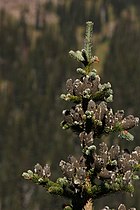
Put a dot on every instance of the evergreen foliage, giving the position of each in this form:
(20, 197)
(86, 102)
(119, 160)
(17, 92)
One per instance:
(119, 64)
(100, 170)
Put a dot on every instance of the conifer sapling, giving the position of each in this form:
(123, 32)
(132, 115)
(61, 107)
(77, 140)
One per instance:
(99, 171)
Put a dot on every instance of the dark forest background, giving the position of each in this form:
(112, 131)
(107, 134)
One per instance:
(34, 65)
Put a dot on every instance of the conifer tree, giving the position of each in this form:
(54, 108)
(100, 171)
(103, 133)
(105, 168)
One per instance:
(100, 170)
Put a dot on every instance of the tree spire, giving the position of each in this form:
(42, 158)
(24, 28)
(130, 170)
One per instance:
(88, 39)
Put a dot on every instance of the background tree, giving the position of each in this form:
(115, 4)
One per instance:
(30, 102)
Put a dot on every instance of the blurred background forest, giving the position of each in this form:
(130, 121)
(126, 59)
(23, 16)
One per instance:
(35, 37)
